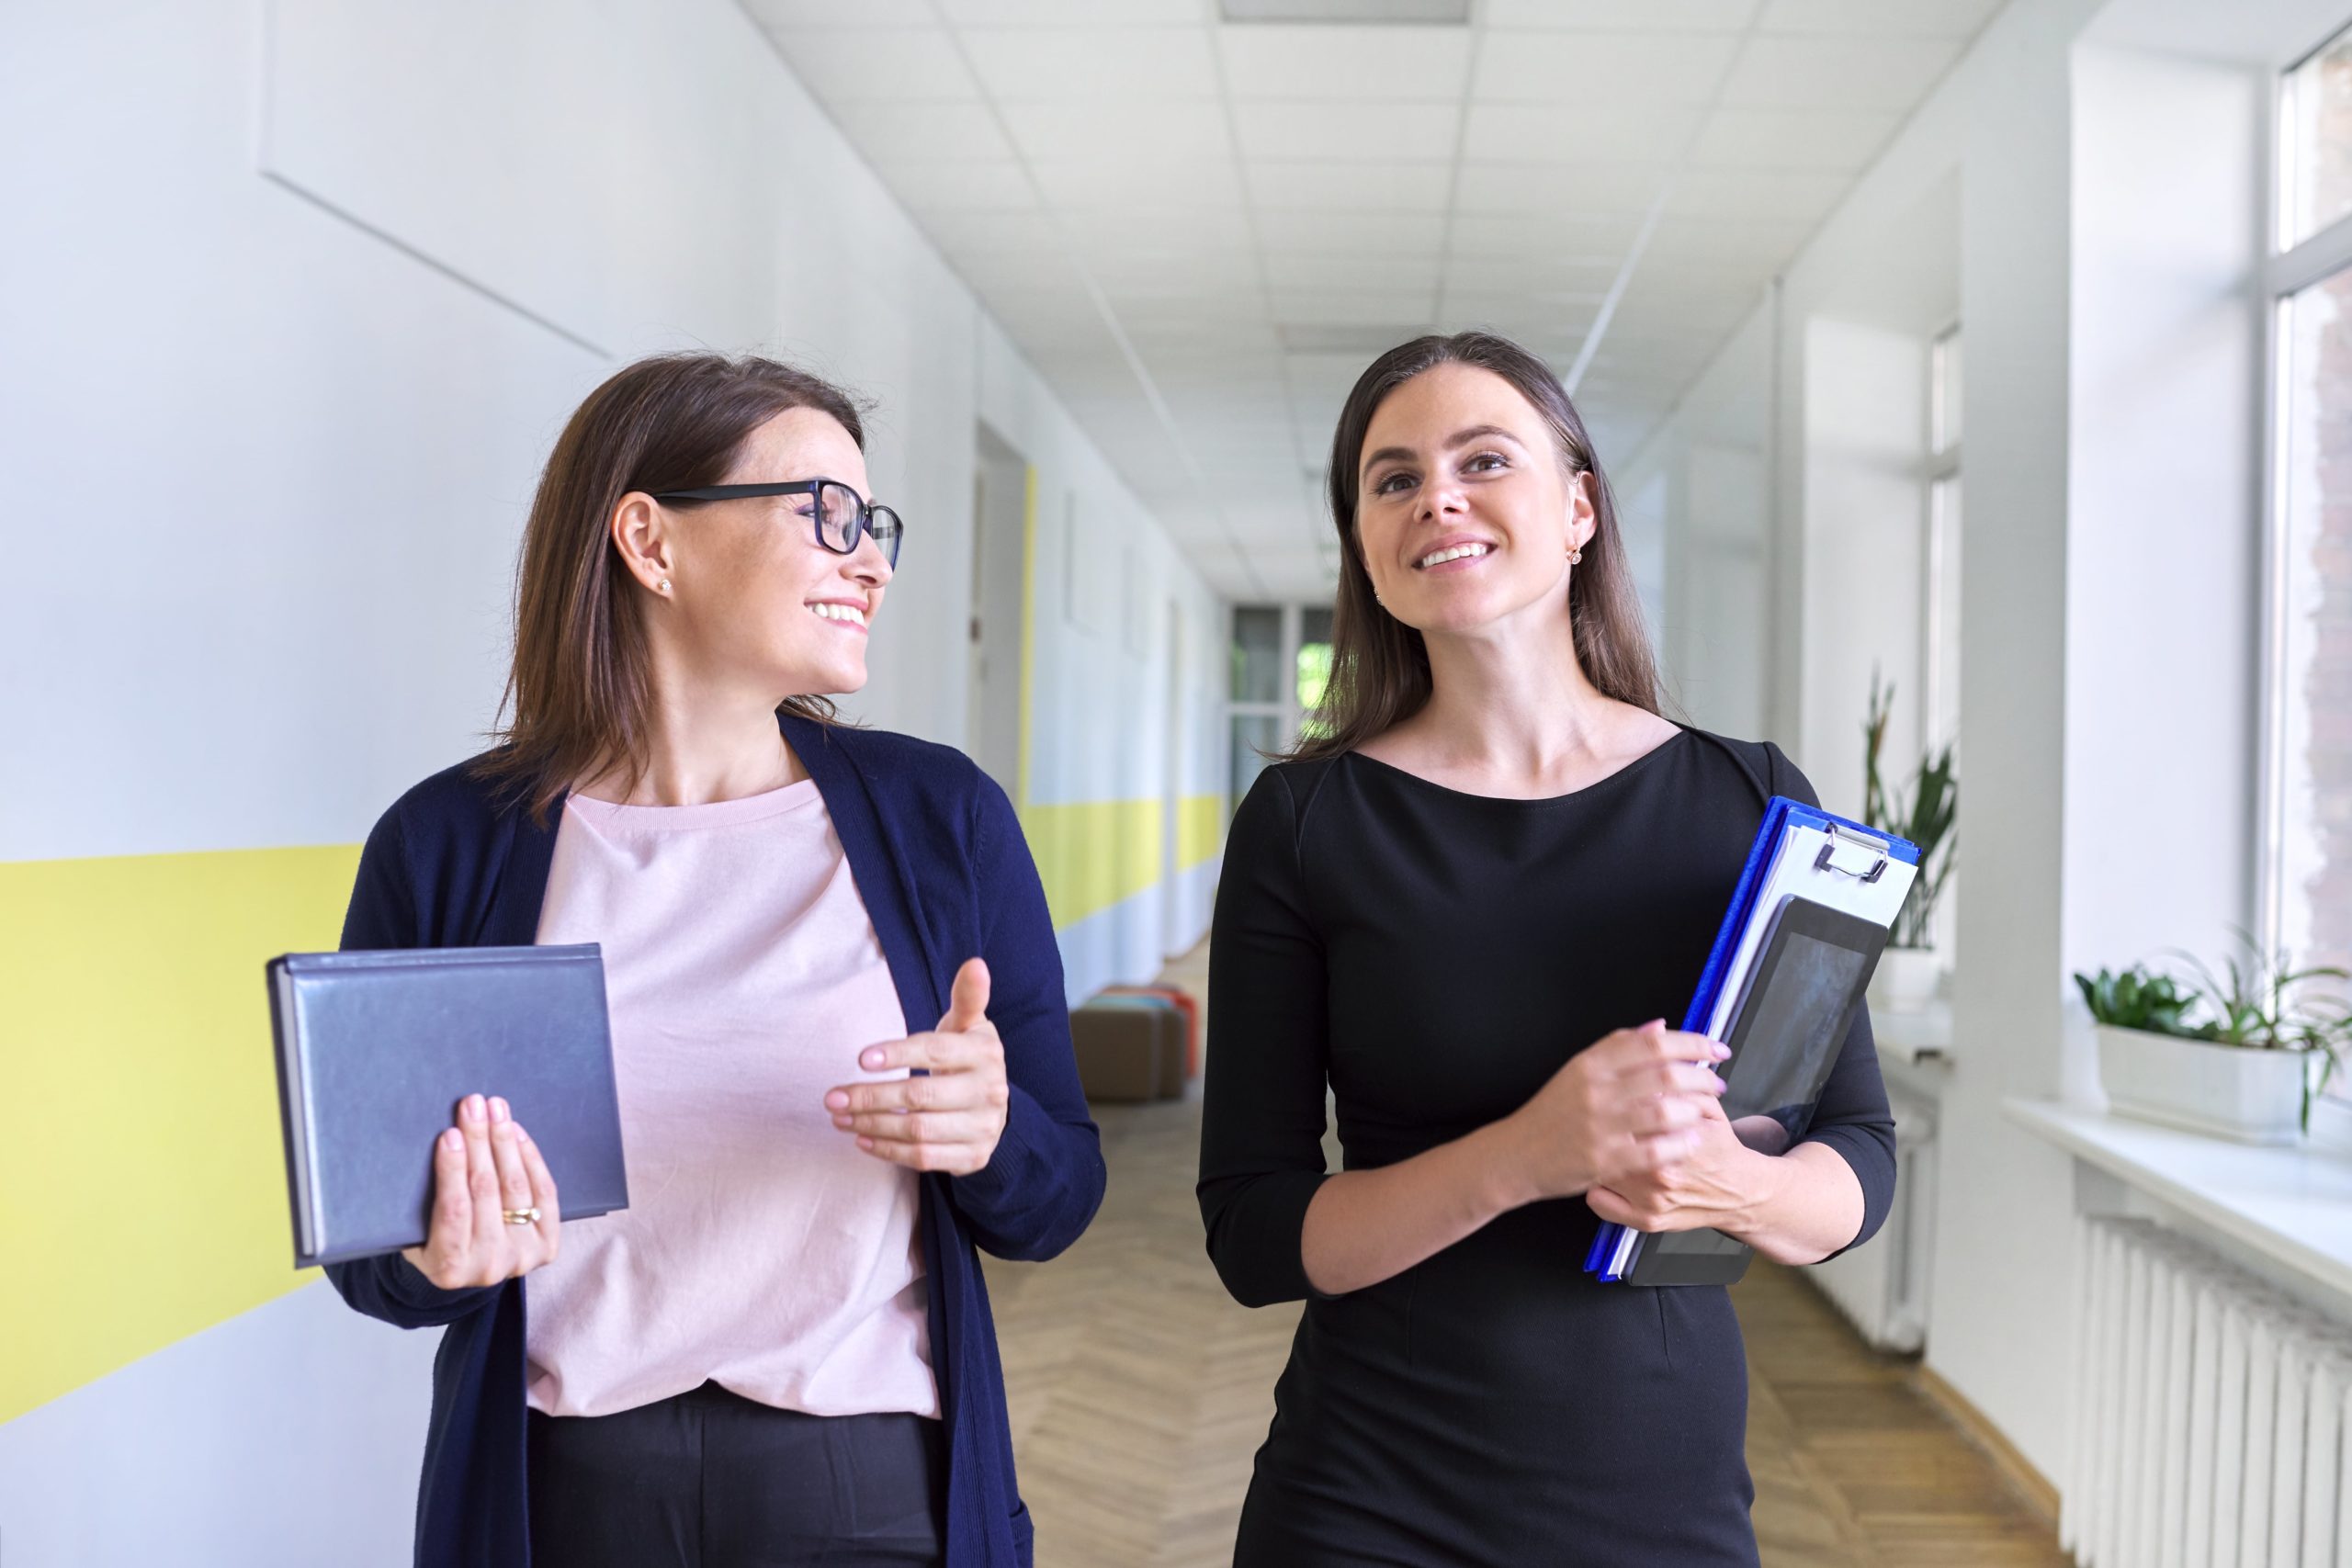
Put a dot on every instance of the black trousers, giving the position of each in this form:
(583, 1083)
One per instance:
(709, 1479)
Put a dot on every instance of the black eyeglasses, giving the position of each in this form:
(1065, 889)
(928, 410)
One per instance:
(840, 515)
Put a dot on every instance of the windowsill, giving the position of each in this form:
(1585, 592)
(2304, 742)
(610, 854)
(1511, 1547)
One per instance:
(2293, 1205)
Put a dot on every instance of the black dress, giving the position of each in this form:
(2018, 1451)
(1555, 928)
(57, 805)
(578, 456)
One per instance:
(1435, 956)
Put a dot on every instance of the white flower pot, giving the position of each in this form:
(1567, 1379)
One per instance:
(1907, 980)
(2229, 1091)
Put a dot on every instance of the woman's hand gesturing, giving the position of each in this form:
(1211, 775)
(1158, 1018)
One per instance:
(949, 1120)
(1630, 1102)
(484, 1168)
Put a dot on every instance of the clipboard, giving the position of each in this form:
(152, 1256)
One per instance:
(1800, 853)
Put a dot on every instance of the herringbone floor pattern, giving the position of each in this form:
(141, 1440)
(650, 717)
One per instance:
(1139, 1391)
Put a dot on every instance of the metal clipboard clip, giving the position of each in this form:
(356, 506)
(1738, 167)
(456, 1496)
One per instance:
(1849, 854)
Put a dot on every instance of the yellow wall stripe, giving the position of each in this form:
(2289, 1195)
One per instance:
(1099, 852)
(143, 1189)
(1200, 830)
(136, 1023)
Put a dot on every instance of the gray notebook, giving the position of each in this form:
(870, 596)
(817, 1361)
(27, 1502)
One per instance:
(375, 1050)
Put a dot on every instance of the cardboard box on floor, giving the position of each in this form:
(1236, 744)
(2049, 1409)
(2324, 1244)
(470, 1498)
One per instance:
(1129, 1050)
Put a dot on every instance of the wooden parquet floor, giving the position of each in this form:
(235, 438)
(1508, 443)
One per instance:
(1139, 1392)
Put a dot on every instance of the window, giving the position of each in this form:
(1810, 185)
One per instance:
(1281, 656)
(2306, 894)
(1312, 667)
(2314, 151)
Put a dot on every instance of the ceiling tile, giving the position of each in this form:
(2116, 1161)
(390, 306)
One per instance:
(1631, 16)
(956, 232)
(1383, 233)
(1146, 127)
(1555, 279)
(1816, 139)
(1549, 328)
(1119, 180)
(1941, 19)
(1296, 270)
(1023, 64)
(1219, 264)
(1061, 12)
(1715, 242)
(1551, 230)
(881, 64)
(1794, 194)
(1840, 72)
(1650, 68)
(1271, 129)
(895, 132)
(1577, 132)
(1162, 224)
(1351, 306)
(832, 15)
(1374, 185)
(938, 187)
(1009, 273)
(1591, 189)
(1391, 64)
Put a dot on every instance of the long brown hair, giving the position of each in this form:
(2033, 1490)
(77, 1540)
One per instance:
(1380, 666)
(578, 693)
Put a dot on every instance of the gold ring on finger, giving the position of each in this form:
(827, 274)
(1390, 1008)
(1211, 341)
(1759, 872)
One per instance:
(529, 1216)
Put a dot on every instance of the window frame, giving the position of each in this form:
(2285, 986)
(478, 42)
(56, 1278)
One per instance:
(2286, 271)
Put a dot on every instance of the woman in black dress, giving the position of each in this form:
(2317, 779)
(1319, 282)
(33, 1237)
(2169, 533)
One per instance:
(1466, 911)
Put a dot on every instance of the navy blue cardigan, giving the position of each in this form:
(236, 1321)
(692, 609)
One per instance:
(938, 857)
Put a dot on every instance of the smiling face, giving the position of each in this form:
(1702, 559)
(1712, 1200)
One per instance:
(1464, 514)
(757, 598)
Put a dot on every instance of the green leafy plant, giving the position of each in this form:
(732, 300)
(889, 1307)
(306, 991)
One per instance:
(2138, 999)
(1928, 817)
(2257, 1002)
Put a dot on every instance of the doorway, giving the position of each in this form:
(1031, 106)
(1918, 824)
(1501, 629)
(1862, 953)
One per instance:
(999, 592)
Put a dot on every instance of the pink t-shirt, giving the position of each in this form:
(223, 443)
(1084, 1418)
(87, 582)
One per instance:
(761, 1247)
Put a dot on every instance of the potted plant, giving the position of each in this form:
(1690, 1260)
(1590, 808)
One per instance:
(2238, 1057)
(1910, 970)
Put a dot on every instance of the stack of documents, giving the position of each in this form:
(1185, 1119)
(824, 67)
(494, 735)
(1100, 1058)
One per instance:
(1781, 987)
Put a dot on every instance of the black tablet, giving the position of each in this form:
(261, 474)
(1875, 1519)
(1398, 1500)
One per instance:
(1791, 1019)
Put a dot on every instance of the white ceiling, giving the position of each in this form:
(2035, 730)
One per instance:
(1200, 231)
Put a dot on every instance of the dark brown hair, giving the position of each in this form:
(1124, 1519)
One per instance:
(578, 691)
(1380, 666)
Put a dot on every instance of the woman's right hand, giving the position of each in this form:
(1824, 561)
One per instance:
(482, 1168)
(1625, 1104)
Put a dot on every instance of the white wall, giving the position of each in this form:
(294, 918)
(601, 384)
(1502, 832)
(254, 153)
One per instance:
(297, 296)
(1710, 465)
(2101, 169)
(1865, 527)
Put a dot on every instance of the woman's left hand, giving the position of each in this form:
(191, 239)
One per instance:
(1722, 1184)
(950, 1120)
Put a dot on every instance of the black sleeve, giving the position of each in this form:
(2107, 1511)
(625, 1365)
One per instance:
(1853, 1117)
(1043, 1184)
(1262, 1117)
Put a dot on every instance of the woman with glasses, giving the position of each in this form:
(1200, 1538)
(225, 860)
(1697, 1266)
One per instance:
(781, 1352)
(1464, 911)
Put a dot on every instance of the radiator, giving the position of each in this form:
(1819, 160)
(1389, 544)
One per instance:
(1882, 1285)
(2211, 1414)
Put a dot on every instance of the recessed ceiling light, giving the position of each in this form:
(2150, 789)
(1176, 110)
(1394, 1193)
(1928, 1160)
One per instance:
(1416, 13)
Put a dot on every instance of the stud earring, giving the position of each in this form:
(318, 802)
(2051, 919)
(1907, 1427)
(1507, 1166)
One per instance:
(665, 585)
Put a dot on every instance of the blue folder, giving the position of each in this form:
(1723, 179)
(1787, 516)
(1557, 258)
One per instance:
(1782, 816)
